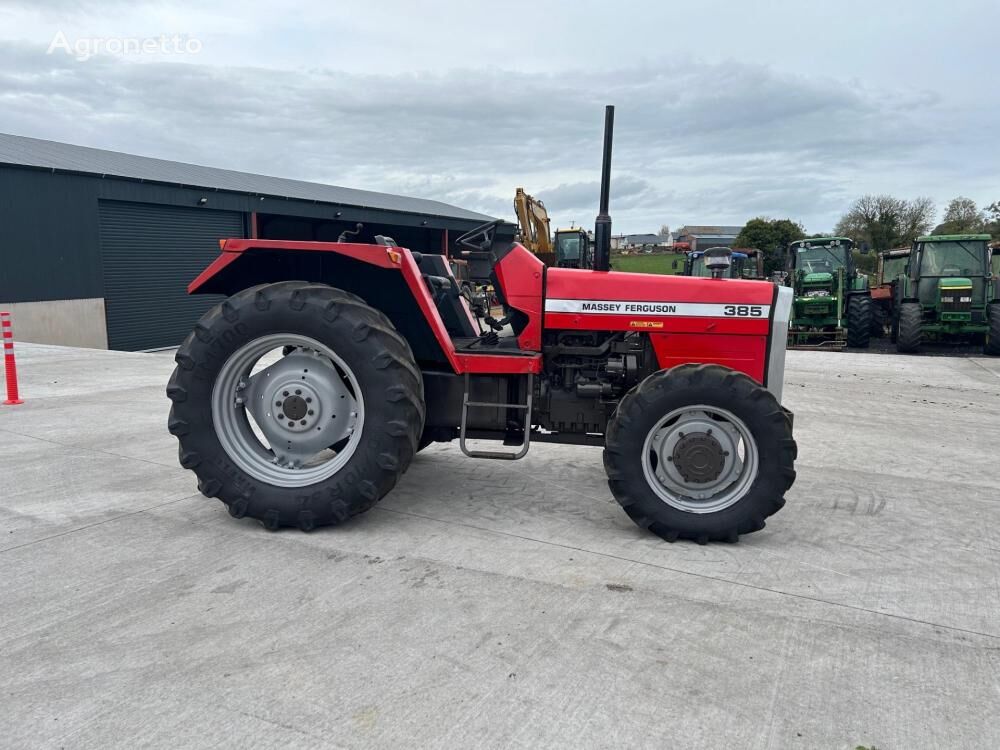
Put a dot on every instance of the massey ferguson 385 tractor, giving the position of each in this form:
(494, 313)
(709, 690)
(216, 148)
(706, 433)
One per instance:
(302, 398)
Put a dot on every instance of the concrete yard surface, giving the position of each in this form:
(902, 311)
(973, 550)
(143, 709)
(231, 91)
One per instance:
(494, 604)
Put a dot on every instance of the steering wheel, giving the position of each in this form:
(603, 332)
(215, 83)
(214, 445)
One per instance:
(486, 231)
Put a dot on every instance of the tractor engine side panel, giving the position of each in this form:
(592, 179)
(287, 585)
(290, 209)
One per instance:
(744, 353)
(687, 319)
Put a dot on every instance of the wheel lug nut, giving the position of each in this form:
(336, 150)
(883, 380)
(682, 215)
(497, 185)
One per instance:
(284, 393)
(303, 422)
(291, 424)
(311, 412)
(277, 403)
(298, 392)
(309, 399)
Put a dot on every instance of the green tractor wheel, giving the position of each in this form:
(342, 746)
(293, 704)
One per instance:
(860, 312)
(992, 345)
(909, 335)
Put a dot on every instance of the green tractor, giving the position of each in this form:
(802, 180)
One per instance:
(950, 293)
(833, 302)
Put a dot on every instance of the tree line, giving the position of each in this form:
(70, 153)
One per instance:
(881, 222)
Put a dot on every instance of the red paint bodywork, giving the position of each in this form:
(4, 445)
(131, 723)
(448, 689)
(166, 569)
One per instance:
(381, 256)
(739, 343)
(883, 292)
(521, 275)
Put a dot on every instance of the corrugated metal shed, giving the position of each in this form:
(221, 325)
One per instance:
(64, 157)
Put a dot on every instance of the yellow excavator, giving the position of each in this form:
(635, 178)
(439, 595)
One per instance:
(572, 247)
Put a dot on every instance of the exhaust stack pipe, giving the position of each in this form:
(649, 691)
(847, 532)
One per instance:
(602, 226)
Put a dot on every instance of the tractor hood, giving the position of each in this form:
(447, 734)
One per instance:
(817, 278)
(955, 283)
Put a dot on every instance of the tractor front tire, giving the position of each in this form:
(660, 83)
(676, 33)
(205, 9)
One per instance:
(992, 344)
(343, 352)
(909, 335)
(700, 452)
(860, 314)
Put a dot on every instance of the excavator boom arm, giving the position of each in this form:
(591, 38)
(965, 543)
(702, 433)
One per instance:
(533, 220)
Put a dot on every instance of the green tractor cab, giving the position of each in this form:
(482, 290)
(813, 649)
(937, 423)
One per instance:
(950, 293)
(833, 303)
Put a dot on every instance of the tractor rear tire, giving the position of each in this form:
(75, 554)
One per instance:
(860, 314)
(367, 354)
(992, 343)
(909, 334)
(753, 444)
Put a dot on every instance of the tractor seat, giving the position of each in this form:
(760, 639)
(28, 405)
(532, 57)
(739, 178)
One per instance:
(446, 294)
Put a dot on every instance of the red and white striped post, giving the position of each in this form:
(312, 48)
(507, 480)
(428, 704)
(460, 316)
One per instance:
(9, 366)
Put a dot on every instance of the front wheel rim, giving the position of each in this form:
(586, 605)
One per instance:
(700, 459)
(307, 408)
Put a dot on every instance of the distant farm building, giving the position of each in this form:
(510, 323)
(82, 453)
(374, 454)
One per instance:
(641, 242)
(704, 236)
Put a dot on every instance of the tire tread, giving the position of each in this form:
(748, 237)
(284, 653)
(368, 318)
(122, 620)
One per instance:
(313, 506)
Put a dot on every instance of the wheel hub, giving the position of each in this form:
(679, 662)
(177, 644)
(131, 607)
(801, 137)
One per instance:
(302, 404)
(699, 458)
(298, 406)
(294, 407)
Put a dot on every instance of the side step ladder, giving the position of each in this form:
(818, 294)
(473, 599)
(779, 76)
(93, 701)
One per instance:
(510, 456)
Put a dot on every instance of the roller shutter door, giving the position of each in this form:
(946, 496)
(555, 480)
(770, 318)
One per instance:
(150, 254)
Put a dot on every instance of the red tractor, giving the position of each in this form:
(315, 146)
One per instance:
(302, 398)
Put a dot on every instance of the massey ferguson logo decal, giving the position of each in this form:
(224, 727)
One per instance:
(645, 308)
(670, 309)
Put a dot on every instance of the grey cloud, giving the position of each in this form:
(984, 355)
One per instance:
(694, 142)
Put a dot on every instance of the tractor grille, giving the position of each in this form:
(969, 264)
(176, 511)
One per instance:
(818, 306)
(956, 300)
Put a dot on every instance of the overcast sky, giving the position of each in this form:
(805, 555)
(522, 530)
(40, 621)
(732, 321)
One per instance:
(725, 109)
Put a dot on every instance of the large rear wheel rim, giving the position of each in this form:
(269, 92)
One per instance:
(303, 405)
(700, 459)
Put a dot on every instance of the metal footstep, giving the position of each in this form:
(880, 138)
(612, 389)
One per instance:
(507, 455)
